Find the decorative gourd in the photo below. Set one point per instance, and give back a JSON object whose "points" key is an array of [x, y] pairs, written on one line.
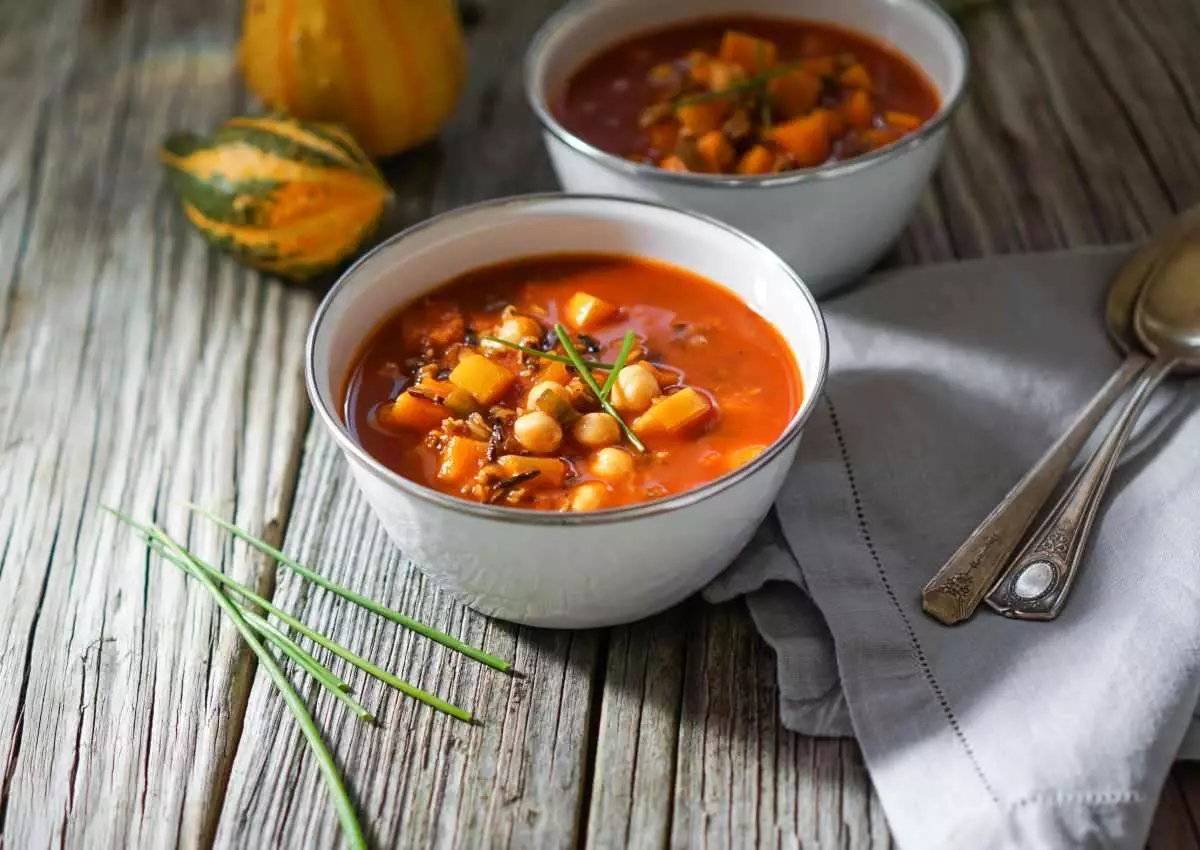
{"points": [[289, 197], [388, 70]]}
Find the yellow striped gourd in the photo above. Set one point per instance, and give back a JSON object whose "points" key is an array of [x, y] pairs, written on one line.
{"points": [[289, 197]]}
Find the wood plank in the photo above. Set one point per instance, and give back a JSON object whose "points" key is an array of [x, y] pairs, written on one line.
{"points": [[421, 779], [124, 341]]}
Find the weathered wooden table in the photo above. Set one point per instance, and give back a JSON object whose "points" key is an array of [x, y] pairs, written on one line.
{"points": [[138, 368]]}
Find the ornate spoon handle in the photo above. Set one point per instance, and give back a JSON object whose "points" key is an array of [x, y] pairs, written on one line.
{"points": [[959, 586], [1035, 586]]}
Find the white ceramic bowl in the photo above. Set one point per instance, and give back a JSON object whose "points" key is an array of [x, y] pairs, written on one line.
{"points": [[564, 569], [832, 222]]}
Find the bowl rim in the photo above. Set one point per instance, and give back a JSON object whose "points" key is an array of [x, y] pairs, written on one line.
{"points": [[577, 8], [813, 388]]}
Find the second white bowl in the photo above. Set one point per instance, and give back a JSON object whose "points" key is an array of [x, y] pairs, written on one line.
{"points": [[830, 223]]}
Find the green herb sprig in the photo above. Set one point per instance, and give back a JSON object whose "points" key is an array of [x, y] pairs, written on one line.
{"points": [[546, 355], [355, 597], [291, 697], [585, 375], [750, 83], [618, 364]]}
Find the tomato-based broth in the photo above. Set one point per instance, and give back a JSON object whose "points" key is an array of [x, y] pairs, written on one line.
{"points": [[745, 95], [456, 391]]}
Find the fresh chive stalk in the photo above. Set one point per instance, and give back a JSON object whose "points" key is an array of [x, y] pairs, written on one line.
{"points": [[748, 84], [334, 647], [357, 598], [546, 355], [618, 365], [325, 759], [586, 376]]}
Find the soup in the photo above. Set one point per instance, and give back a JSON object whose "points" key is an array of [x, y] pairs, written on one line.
{"points": [[745, 95], [490, 387]]}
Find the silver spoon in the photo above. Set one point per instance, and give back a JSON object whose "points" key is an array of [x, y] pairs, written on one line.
{"points": [[1166, 320], [952, 595]]}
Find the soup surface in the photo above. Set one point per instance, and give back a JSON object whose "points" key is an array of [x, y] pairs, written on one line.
{"points": [[745, 95], [443, 394]]}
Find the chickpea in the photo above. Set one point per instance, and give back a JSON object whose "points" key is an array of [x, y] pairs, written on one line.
{"points": [[635, 389], [612, 464], [538, 432], [589, 496], [596, 430], [517, 328]]}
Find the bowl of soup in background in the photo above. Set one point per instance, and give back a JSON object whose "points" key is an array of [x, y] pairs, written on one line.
{"points": [[831, 222], [542, 568]]}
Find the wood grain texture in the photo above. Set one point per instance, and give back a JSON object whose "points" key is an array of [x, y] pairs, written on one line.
{"points": [[135, 370], [139, 368]]}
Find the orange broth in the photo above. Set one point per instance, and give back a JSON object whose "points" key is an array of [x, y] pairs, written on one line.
{"points": [[696, 333]]}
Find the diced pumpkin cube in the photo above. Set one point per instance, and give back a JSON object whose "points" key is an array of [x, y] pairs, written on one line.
{"points": [[698, 65], [740, 457], [806, 139], [757, 160], [673, 163], [699, 118], [856, 77], [554, 371], [484, 379], [795, 93], [859, 109], [718, 153], [663, 136], [755, 55], [723, 74], [902, 121], [550, 470], [413, 414], [674, 414], [462, 457], [837, 124], [877, 137], [584, 311]]}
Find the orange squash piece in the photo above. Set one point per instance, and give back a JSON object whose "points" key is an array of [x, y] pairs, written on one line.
{"points": [[461, 458], [856, 77], [674, 414], [795, 93], [718, 153], [663, 136], [554, 371], [902, 121], [755, 55], [673, 163], [550, 470], [757, 160], [484, 379], [859, 109], [414, 414], [806, 139], [877, 137], [584, 311], [700, 118]]}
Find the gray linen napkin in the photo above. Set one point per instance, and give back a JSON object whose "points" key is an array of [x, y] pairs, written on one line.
{"points": [[946, 383]]}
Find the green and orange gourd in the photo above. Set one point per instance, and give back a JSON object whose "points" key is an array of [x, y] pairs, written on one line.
{"points": [[390, 71], [289, 197]]}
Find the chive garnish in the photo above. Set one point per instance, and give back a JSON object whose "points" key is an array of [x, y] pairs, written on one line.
{"points": [[622, 356], [741, 85], [291, 697], [586, 376], [546, 355], [357, 598]]}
